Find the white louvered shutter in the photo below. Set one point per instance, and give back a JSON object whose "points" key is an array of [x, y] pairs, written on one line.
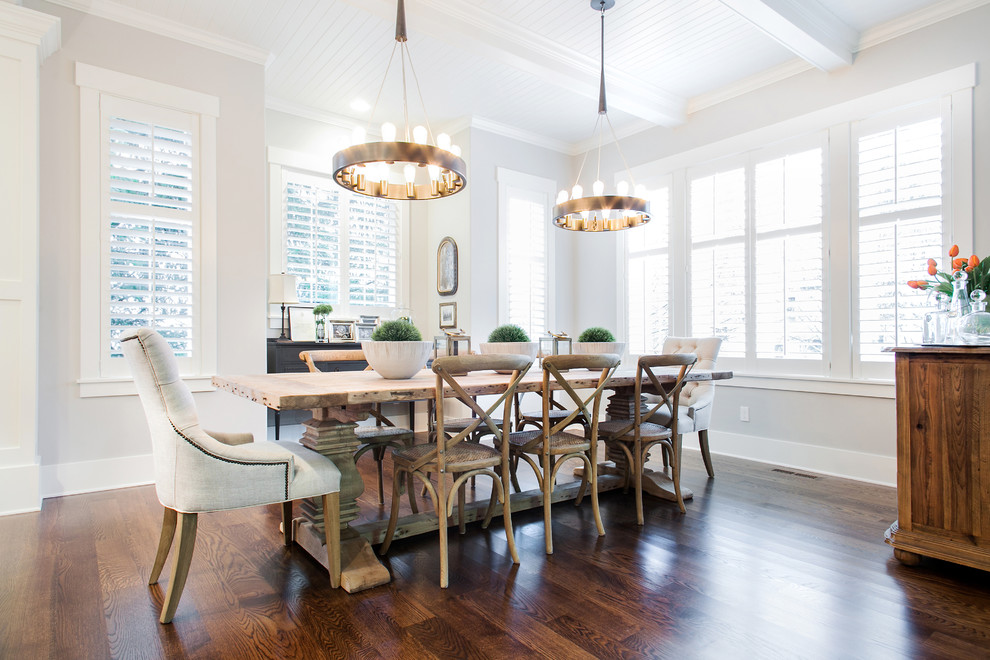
{"points": [[151, 197], [527, 262], [899, 183], [789, 258], [373, 251], [311, 211], [648, 286], [717, 299]]}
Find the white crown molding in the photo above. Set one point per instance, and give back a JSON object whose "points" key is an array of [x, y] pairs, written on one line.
{"points": [[33, 27], [749, 84], [309, 112], [522, 135], [916, 20], [166, 27]]}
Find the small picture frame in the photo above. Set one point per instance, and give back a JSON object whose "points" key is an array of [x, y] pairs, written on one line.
{"points": [[341, 331], [448, 315], [364, 331], [373, 320], [302, 324]]}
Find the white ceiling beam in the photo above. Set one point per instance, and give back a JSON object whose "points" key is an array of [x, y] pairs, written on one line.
{"points": [[805, 27], [461, 24]]}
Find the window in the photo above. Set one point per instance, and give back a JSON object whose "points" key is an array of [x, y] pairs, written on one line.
{"points": [[346, 249], [525, 204], [757, 262], [647, 268], [899, 193], [148, 200]]}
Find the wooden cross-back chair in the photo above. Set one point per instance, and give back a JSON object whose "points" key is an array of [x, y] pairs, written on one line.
{"points": [[375, 439], [553, 446], [535, 418], [457, 455], [635, 437]]}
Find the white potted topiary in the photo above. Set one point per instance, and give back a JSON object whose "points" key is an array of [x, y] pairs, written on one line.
{"points": [[510, 338], [396, 350], [598, 340]]}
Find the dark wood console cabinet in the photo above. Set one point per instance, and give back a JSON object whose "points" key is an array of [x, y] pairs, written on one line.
{"points": [[283, 356], [943, 455]]}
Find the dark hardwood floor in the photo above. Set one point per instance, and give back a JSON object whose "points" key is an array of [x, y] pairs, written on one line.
{"points": [[765, 564]]}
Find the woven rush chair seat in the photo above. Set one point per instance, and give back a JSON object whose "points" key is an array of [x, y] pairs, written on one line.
{"points": [[560, 443], [460, 458], [647, 430]]}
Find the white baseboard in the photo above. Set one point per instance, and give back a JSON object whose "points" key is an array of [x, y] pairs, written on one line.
{"points": [[872, 468], [90, 476], [19, 489]]}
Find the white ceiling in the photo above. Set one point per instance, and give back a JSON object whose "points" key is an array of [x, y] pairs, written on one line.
{"points": [[530, 67]]}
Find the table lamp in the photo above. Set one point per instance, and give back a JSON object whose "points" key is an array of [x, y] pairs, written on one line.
{"points": [[282, 291]]}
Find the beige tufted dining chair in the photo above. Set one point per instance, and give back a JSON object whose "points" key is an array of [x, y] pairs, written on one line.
{"points": [[694, 414], [199, 471]]}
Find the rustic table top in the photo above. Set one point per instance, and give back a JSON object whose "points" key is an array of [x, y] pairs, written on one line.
{"points": [[303, 391]]}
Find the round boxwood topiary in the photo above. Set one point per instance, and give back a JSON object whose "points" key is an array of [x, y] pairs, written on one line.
{"points": [[396, 331], [322, 310], [508, 333], [596, 334]]}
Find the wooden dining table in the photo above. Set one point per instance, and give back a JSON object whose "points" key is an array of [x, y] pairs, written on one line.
{"points": [[340, 400]]}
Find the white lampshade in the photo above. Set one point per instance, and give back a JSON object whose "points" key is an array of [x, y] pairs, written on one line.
{"points": [[282, 289]]}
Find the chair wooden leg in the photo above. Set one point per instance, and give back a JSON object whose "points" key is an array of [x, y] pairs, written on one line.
{"points": [[513, 467], [393, 516], [379, 455], [180, 571], [331, 529], [594, 494], [164, 544], [638, 460], [411, 492], [442, 515], [547, 502], [507, 519], [705, 454], [461, 500], [675, 472], [287, 522]]}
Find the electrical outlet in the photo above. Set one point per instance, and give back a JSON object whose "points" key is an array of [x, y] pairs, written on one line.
{"points": [[743, 413]]}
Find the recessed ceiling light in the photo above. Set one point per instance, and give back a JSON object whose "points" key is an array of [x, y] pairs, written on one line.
{"points": [[360, 105]]}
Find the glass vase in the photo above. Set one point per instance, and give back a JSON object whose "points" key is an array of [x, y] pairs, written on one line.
{"points": [[974, 328], [958, 307]]}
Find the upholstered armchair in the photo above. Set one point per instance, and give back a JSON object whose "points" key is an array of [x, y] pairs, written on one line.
{"points": [[198, 471], [695, 410]]}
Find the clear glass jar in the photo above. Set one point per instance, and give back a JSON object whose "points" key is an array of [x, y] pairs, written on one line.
{"points": [[958, 307], [974, 328], [936, 321]]}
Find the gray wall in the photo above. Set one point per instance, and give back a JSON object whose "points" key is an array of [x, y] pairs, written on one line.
{"points": [[87, 443]]}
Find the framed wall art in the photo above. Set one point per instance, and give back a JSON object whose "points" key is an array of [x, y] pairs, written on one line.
{"points": [[447, 267], [448, 315]]}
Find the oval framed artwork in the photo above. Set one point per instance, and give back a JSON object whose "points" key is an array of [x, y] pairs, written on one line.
{"points": [[447, 267]]}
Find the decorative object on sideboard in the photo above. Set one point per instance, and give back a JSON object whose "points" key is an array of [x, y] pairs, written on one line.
{"points": [[302, 323], [959, 278], [597, 339], [320, 313], [510, 338], [417, 167], [448, 315], [341, 330], [974, 328], [396, 350], [447, 267], [363, 331], [282, 291], [601, 212]]}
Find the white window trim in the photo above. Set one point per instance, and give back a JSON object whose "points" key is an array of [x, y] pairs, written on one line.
{"points": [[508, 179], [94, 82], [279, 159], [838, 230]]}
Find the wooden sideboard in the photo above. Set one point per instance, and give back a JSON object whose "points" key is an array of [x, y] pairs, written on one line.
{"points": [[283, 356], [943, 455]]}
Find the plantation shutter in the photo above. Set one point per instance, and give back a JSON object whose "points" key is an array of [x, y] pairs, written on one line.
{"points": [[373, 251], [899, 185], [312, 209], [528, 217], [789, 259], [150, 193], [718, 259], [647, 277]]}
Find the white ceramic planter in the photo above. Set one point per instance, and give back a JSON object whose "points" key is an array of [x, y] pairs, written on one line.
{"points": [[590, 347], [529, 348], [396, 360]]}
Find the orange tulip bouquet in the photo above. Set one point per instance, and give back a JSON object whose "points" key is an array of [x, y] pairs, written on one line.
{"points": [[978, 272]]}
